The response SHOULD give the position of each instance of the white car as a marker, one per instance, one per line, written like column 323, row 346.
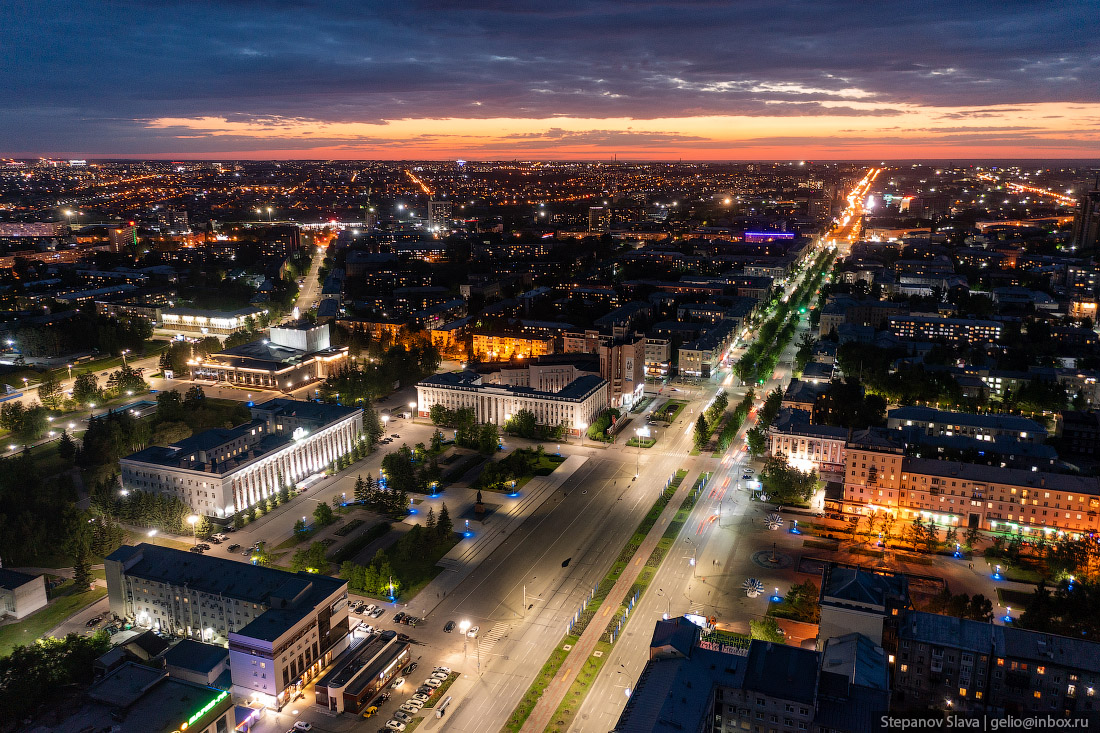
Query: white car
column 402, row 716
column 395, row 725
column 472, row 633
column 412, row 702
column 439, row 676
column 421, row 698
column 398, row 682
column 444, row 670
column 433, row 683
column 369, row 609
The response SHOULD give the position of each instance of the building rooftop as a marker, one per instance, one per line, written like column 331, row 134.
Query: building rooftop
column 991, row 421
column 781, row 671
column 1008, row 476
column 195, row 656
column 797, row 422
column 846, row 585
column 11, row 579
column 578, row 389
column 295, row 594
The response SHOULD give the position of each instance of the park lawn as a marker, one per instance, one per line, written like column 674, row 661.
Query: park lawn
column 678, row 407
column 296, row 539
column 63, row 604
column 574, row 697
column 160, row 541
column 547, row 464
column 1011, row 597
column 645, row 442
column 417, row 572
column 47, row 459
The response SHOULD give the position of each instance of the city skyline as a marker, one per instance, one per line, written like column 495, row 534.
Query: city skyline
column 483, row 81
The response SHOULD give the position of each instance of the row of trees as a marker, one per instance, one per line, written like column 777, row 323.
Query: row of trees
column 525, row 425
column 391, row 502
column 498, row 475
column 367, row 379
column 736, row 420
column 709, row 419
column 484, row 438
column 85, row 332
column 411, row 472
column 379, row 578
column 32, row 674
column 600, row 429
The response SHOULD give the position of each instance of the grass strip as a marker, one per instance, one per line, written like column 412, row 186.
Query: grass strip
column 557, row 658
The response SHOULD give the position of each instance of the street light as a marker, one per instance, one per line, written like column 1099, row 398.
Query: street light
column 193, row 519
column 385, row 419
column 583, row 427
column 694, row 557
column 70, row 370
column 124, row 353
column 412, row 408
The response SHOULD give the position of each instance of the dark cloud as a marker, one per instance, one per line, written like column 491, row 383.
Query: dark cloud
column 84, row 75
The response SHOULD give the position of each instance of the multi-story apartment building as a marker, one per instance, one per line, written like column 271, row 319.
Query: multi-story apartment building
column 879, row 478
column 282, row 628
column 658, row 357
column 703, row 356
column 983, row 427
column 703, row 685
column 971, row 667
column 575, row 406
column 500, row 346
column 225, row 470
column 932, row 328
column 202, row 322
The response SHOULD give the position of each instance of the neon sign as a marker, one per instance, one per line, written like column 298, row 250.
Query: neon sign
column 205, row 709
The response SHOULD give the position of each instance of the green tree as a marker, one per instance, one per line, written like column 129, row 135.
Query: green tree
column 444, row 527
column 971, row 537
column 766, row 629
column 66, row 446
column 323, row 515
column 86, row 389
column 50, row 393
column 702, row 434
column 260, row 555
column 311, row 559
column 758, row 441
column 299, row 526
column 82, row 570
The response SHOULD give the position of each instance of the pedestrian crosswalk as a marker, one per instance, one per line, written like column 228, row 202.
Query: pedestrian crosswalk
column 489, row 640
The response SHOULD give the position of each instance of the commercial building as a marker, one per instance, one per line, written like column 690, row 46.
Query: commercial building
column 292, row 356
column 1086, row 224
column 933, row 328
column 20, row 593
column 658, row 357
column 703, row 685
column 702, row 357
column 191, row 321
column 599, row 219
column 806, row 445
column 575, row 405
column 282, row 628
column 983, row 427
column 225, row 470
column 135, row 698
column 362, row 672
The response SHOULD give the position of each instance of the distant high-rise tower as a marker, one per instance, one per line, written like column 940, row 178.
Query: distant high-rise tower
column 439, row 214
column 599, row 219
column 1086, row 225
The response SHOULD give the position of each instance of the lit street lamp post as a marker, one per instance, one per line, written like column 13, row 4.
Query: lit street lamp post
column 193, row 519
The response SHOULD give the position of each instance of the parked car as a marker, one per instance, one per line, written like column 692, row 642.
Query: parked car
column 397, row 683
column 303, row 725
column 444, row 670
column 410, row 668
column 215, row 540
column 397, row 617
column 395, row 435
column 370, row 711
column 234, row 547
column 415, row 703
column 449, row 626
column 472, row 633
column 196, row 548
column 433, row 683
column 402, row 716
column 394, row 724
column 422, row 697
column 425, row 691
column 367, row 609
column 93, row 621
column 377, row 612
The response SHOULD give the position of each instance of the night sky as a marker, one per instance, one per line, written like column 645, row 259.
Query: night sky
column 491, row 79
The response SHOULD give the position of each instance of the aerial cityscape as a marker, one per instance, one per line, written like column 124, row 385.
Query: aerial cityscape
column 598, row 367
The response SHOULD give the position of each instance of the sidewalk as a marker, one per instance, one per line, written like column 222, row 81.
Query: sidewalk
column 555, row 692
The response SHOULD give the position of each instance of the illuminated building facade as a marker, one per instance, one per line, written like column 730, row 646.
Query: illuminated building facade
column 193, row 322
column 931, row 328
column 282, row 628
column 493, row 346
column 292, row 356
column 221, row 471
column 574, row 406
column 879, row 478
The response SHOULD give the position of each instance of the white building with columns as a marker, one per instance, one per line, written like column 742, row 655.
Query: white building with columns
column 221, row 471
column 574, row 405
